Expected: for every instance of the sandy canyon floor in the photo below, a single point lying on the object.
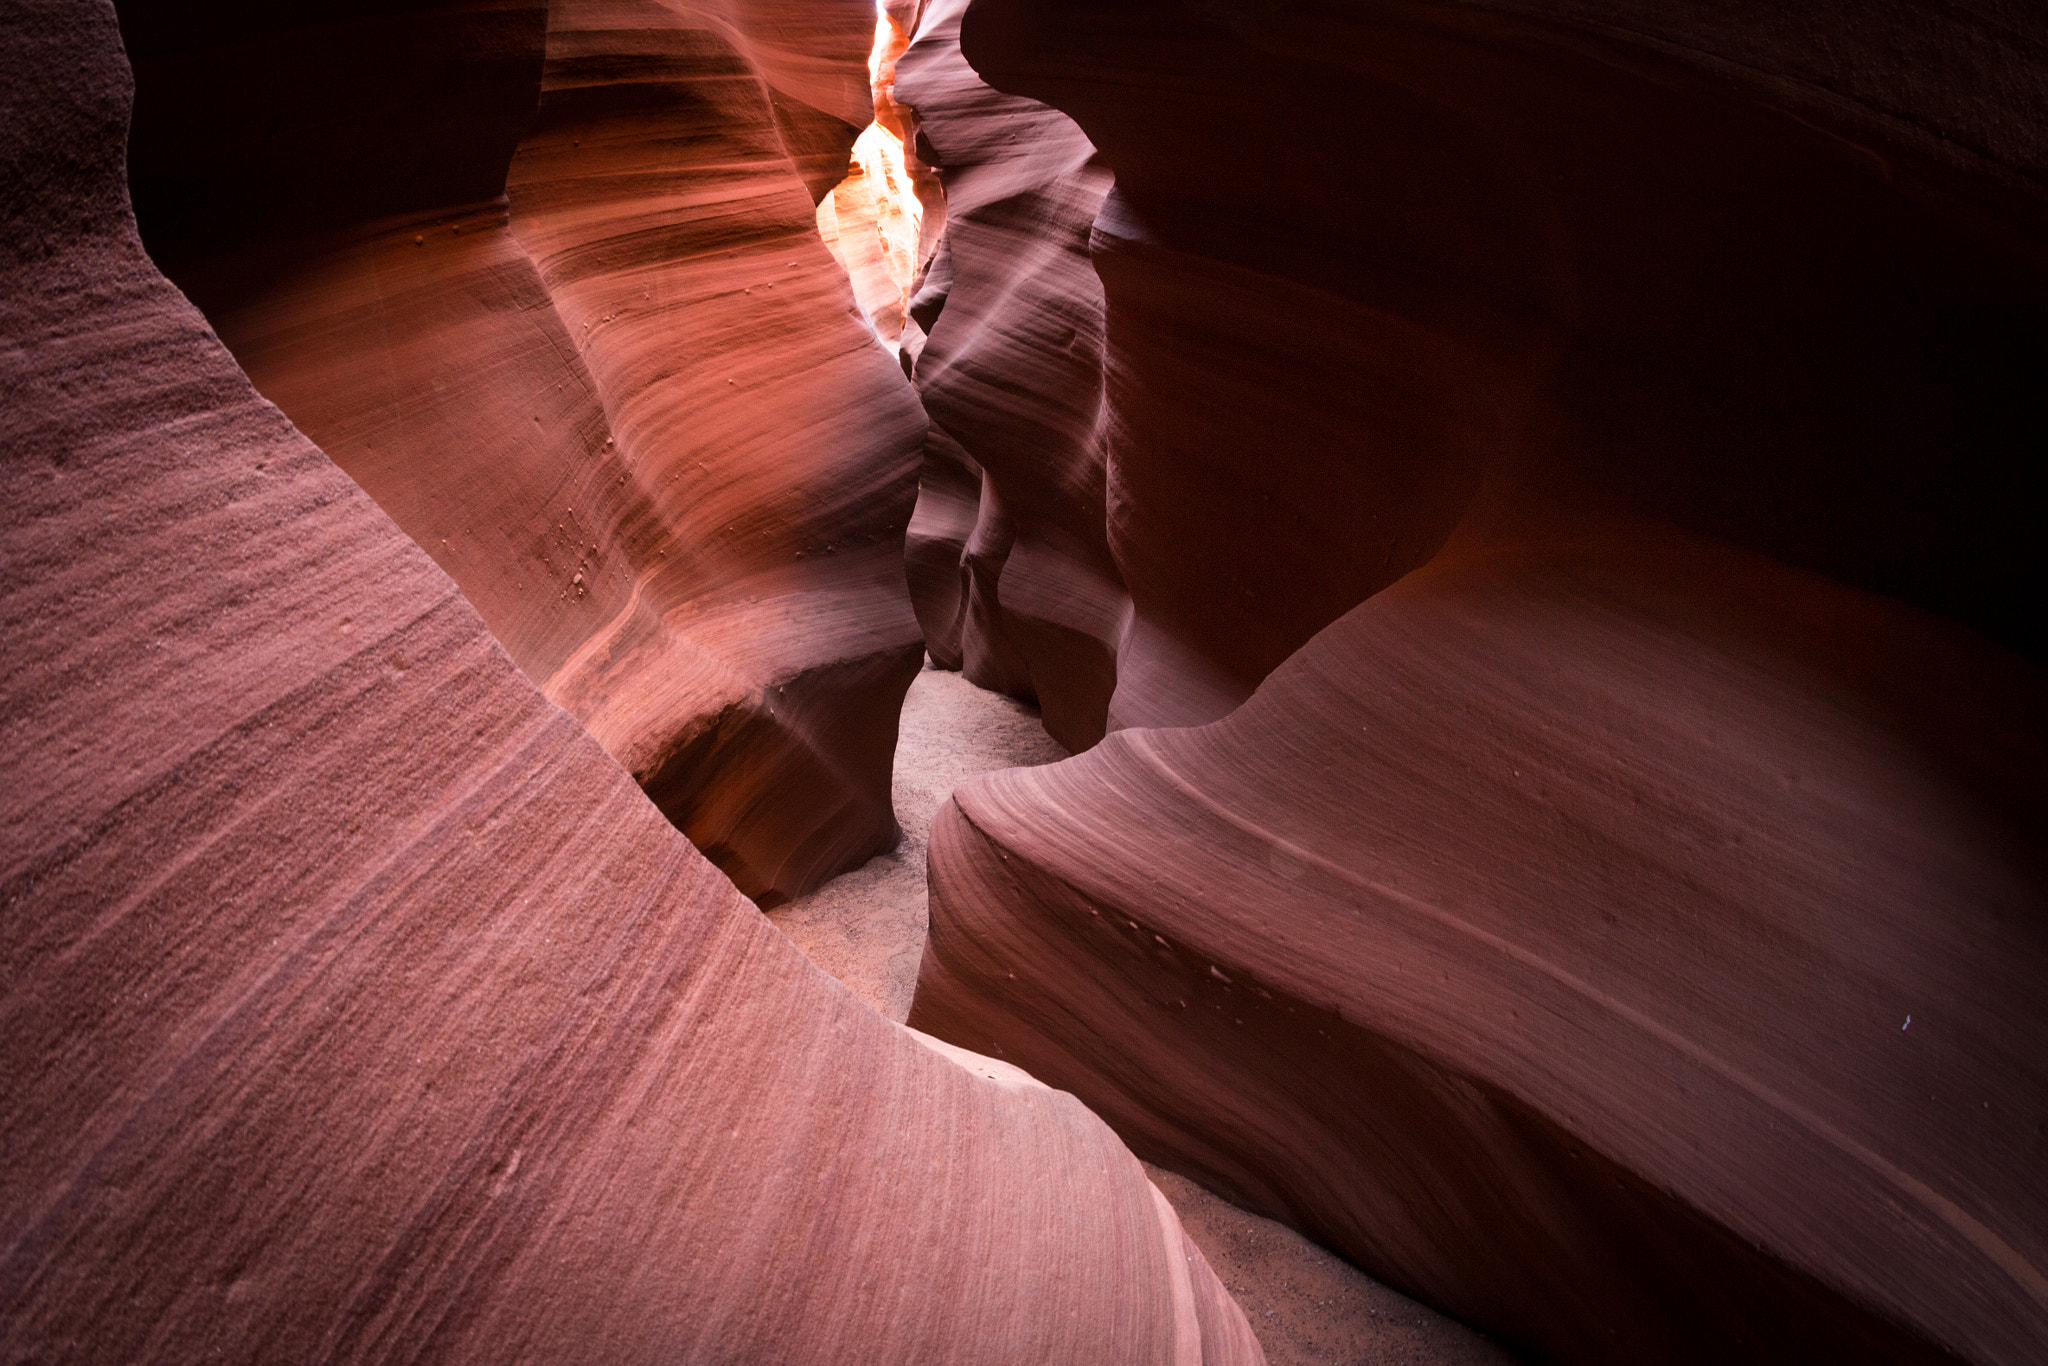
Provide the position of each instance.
(867, 928)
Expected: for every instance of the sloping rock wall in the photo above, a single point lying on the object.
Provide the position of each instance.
(1595, 440)
(635, 418)
(775, 442)
(1009, 554)
(358, 1006)
(1618, 940)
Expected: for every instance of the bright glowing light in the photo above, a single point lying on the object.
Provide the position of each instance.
(874, 221)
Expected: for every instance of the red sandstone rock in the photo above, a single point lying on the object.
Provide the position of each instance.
(357, 1005)
(1780, 279)
(1624, 942)
(778, 442)
(634, 419)
(1541, 933)
(1010, 566)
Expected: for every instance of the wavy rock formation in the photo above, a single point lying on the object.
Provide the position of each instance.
(1009, 555)
(1543, 934)
(1622, 941)
(779, 441)
(357, 1005)
(1778, 280)
(632, 414)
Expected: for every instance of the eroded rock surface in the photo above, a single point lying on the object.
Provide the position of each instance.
(1779, 281)
(1542, 933)
(776, 440)
(632, 413)
(358, 1006)
(1008, 550)
(1619, 940)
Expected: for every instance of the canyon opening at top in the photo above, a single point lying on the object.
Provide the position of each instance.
(884, 219)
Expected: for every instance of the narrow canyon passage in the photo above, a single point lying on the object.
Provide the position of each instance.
(868, 927)
(527, 523)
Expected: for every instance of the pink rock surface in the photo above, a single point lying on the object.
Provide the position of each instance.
(1543, 931)
(632, 416)
(1621, 941)
(777, 440)
(1778, 280)
(358, 1006)
(1009, 553)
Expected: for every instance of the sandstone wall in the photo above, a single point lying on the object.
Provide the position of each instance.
(1778, 282)
(1620, 941)
(358, 1006)
(631, 412)
(1595, 441)
(1008, 551)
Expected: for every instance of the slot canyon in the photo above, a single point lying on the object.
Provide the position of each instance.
(1024, 681)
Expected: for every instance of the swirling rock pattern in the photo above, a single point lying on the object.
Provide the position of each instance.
(1545, 934)
(632, 414)
(1778, 281)
(1009, 553)
(776, 440)
(358, 1006)
(1622, 941)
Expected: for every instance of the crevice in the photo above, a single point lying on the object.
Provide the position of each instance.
(883, 221)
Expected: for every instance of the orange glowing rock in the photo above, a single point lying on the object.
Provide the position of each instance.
(876, 221)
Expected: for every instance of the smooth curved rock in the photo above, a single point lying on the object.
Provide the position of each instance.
(635, 418)
(1543, 931)
(776, 440)
(357, 1005)
(1624, 942)
(1780, 280)
(1009, 554)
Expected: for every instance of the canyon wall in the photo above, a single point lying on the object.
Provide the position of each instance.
(1616, 939)
(358, 1006)
(632, 411)
(1595, 441)
(1008, 551)
(1778, 282)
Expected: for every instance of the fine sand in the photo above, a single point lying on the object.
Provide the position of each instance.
(1308, 1306)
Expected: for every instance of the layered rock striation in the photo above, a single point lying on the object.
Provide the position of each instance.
(776, 440)
(1619, 940)
(358, 1005)
(1778, 282)
(1008, 550)
(632, 410)
(1595, 443)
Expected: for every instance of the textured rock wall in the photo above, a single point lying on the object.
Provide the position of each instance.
(1621, 941)
(1605, 432)
(1008, 550)
(776, 441)
(357, 1005)
(1779, 282)
(631, 413)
